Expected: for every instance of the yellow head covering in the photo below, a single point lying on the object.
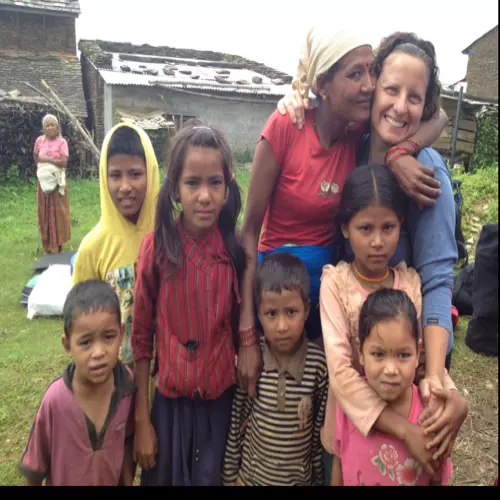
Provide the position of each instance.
(323, 48)
(110, 216)
(115, 241)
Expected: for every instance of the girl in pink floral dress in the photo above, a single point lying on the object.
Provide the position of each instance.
(389, 352)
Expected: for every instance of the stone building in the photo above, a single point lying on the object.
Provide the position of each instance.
(152, 85)
(38, 41)
(482, 66)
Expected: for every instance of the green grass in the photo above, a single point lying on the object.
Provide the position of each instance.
(32, 355)
(480, 195)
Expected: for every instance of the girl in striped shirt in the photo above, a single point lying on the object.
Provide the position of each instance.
(186, 298)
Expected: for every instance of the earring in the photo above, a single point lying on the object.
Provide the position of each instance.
(324, 97)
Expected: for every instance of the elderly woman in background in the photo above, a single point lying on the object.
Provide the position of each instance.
(51, 158)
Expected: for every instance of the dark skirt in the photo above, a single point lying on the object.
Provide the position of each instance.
(192, 435)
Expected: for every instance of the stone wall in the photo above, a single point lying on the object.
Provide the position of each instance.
(93, 88)
(482, 67)
(37, 33)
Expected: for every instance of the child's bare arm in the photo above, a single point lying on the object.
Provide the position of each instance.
(337, 472)
(128, 468)
(145, 438)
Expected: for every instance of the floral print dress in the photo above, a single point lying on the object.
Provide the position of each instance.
(379, 459)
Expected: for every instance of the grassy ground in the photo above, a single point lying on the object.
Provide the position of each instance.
(32, 355)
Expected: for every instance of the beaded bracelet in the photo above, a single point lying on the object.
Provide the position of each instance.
(247, 329)
(250, 342)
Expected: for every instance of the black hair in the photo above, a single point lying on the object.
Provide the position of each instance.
(126, 141)
(383, 305)
(89, 297)
(370, 185)
(166, 237)
(411, 44)
(282, 271)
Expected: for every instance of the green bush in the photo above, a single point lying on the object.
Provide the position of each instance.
(480, 198)
(243, 156)
(486, 149)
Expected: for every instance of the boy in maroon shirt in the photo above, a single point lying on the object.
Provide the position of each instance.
(83, 429)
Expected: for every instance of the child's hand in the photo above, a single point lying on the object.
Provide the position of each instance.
(416, 441)
(145, 445)
(446, 427)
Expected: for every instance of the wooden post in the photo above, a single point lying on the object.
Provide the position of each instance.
(454, 135)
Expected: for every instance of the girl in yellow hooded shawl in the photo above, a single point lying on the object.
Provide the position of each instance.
(129, 185)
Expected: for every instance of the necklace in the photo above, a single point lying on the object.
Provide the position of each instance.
(369, 280)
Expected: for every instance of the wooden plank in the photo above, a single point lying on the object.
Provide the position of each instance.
(462, 134)
(462, 147)
(442, 144)
(467, 125)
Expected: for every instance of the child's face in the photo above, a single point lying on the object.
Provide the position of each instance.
(127, 184)
(50, 128)
(390, 358)
(94, 345)
(202, 189)
(282, 316)
(374, 234)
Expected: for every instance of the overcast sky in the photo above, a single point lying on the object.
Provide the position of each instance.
(272, 31)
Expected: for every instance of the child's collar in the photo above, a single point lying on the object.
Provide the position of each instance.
(124, 382)
(296, 364)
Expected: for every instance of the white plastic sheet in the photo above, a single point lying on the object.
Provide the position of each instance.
(49, 294)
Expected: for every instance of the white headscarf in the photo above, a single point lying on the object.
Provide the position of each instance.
(323, 48)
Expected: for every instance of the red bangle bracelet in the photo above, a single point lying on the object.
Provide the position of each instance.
(397, 155)
(394, 149)
(249, 342)
(414, 145)
(247, 329)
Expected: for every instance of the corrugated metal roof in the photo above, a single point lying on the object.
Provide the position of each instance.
(143, 74)
(450, 94)
(72, 6)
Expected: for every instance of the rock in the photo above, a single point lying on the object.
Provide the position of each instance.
(152, 72)
(277, 81)
(143, 66)
(14, 93)
(125, 68)
(256, 79)
(475, 218)
(243, 82)
(185, 71)
(470, 241)
(223, 72)
(195, 77)
(168, 71)
(221, 79)
(2, 93)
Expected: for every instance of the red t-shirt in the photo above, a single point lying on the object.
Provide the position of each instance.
(306, 197)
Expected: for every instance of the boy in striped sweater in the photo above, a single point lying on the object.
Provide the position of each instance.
(274, 438)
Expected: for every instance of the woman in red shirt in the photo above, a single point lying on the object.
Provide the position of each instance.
(298, 175)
